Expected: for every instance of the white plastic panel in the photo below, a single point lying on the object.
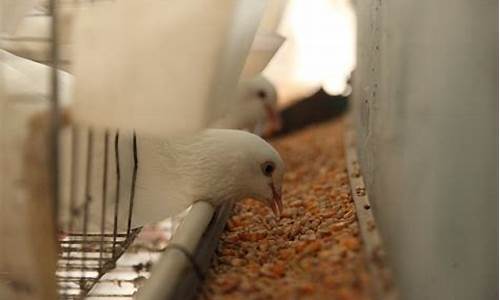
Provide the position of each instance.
(426, 97)
(264, 47)
(160, 67)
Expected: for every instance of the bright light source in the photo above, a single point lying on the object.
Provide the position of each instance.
(319, 51)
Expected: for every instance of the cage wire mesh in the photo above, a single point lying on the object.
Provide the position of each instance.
(114, 261)
(84, 256)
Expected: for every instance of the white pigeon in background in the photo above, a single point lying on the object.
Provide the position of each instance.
(255, 109)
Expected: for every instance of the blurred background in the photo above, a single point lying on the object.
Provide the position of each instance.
(417, 82)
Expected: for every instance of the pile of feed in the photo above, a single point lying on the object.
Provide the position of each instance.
(314, 250)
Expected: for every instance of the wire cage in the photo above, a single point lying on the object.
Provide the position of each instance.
(84, 257)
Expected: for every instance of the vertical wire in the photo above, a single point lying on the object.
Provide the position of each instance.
(103, 207)
(55, 113)
(132, 191)
(73, 213)
(117, 195)
(88, 199)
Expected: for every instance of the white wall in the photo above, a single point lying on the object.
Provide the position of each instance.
(426, 108)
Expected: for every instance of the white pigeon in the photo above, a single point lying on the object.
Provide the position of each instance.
(215, 165)
(255, 108)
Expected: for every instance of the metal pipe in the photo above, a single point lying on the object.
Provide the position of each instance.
(55, 113)
(168, 272)
(132, 187)
(88, 196)
(104, 190)
(117, 195)
(74, 180)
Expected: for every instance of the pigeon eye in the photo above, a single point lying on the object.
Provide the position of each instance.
(262, 94)
(268, 168)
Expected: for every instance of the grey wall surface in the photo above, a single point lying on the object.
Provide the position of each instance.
(426, 110)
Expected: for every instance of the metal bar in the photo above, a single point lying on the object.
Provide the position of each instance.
(174, 267)
(123, 235)
(88, 250)
(81, 242)
(82, 267)
(74, 179)
(121, 281)
(74, 278)
(203, 254)
(126, 269)
(88, 197)
(134, 179)
(117, 197)
(55, 113)
(104, 186)
(96, 259)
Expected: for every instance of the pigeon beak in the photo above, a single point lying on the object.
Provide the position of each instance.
(276, 204)
(273, 117)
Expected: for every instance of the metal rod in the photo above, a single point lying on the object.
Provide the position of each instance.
(74, 278)
(88, 196)
(75, 256)
(174, 265)
(85, 251)
(74, 179)
(104, 186)
(117, 197)
(187, 289)
(80, 258)
(55, 113)
(98, 234)
(81, 242)
(89, 267)
(134, 179)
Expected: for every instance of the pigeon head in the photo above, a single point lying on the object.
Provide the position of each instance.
(264, 176)
(262, 90)
(246, 167)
